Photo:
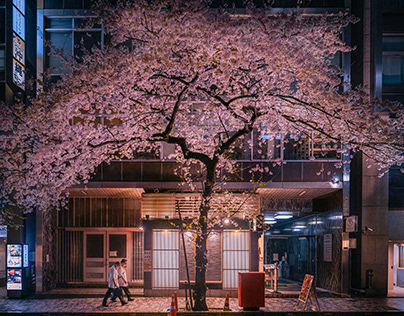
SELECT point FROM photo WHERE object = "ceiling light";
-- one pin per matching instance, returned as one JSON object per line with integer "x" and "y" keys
{"x": 315, "y": 222}
{"x": 283, "y": 216}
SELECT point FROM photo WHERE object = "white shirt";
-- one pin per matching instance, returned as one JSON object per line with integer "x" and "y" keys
{"x": 113, "y": 278}
{"x": 122, "y": 277}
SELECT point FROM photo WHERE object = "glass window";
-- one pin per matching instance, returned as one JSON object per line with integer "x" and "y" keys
{"x": 393, "y": 69}
{"x": 59, "y": 23}
{"x": 393, "y": 43}
{"x": 85, "y": 41}
{"x": 165, "y": 259}
{"x": 324, "y": 149}
{"x": 53, "y": 4}
{"x": 117, "y": 246}
{"x": 264, "y": 147}
{"x": 236, "y": 256}
{"x": 95, "y": 246}
{"x": 62, "y": 41}
{"x": 296, "y": 148}
{"x": 68, "y": 35}
{"x": 401, "y": 257}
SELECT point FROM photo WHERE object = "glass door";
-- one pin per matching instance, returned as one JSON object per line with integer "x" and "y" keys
{"x": 95, "y": 263}
{"x": 117, "y": 248}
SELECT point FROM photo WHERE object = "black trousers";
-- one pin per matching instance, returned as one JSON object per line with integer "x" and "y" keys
{"x": 126, "y": 290}
{"x": 111, "y": 290}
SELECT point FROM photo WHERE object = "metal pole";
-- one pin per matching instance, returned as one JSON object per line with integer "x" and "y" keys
{"x": 276, "y": 278}
{"x": 188, "y": 286}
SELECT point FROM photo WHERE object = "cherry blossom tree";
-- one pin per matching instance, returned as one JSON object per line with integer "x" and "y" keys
{"x": 177, "y": 72}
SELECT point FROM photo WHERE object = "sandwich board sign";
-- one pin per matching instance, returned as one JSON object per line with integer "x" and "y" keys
{"x": 307, "y": 292}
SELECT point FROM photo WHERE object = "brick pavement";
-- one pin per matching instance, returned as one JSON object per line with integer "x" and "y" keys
{"x": 162, "y": 304}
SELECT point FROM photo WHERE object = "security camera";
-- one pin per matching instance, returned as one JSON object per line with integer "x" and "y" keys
{"x": 367, "y": 229}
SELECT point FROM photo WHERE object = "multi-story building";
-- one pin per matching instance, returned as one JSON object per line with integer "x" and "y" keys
{"x": 332, "y": 225}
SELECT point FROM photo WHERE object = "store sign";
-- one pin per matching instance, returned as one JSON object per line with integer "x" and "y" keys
{"x": 20, "y": 5}
{"x": 25, "y": 261}
{"x": 328, "y": 248}
{"x": 18, "y": 23}
{"x": 14, "y": 279}
{"x": 147, "y": 261}
{"x": 19, "y": 49}
{"x": 14, "y": 255}
{"x": 3, "y": 231}
{"x": 18, "y": 74}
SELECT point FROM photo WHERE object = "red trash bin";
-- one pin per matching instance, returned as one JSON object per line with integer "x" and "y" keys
{"x": 251, "y": 290}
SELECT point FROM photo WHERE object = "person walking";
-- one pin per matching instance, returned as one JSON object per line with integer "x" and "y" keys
{"x": 113, "y": 285}
{"x": 123, "y": 279}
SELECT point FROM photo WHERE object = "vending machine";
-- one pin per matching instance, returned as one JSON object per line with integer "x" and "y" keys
{"x": 17, "y": 270}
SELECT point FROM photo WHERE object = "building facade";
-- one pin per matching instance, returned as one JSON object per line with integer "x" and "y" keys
{"x": 336, "y": 226}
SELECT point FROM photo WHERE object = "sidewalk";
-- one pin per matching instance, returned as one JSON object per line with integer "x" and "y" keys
{"x": 92, "y": 305}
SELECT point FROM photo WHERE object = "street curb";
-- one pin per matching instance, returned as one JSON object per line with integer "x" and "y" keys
{"x": 209, "y": 313}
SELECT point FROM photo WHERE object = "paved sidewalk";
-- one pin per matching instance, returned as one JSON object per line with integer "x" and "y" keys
{"x": 162, "y": 304}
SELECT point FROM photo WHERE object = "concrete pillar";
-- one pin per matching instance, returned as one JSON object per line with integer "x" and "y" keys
{"x": 374, "y": 227}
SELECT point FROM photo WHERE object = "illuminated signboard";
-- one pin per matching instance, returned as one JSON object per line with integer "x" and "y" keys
{"x": 14, "y": 279}
{"x": 18, "y": 43}
{"x": 20, "y": 5}
{"x": 18, "y": 74}
{"x": 25, "y": 256}
{"x": 19, "y": 49}
{"x": 14, "y": 256}
{"x": 18, "y": 23}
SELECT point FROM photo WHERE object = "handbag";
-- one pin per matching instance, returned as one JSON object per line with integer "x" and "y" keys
{"x": 118, "y": 292}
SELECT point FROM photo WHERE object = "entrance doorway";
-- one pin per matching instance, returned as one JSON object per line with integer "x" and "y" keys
{"x": 296, "y": 256}
{"x": 396, "y": 269}
{"x": 103, "y": 248}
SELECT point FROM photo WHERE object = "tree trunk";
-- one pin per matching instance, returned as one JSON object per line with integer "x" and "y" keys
{"x": 201, "y": 249}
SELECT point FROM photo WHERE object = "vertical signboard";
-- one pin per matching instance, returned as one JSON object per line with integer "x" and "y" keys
{"x": 18, "y": 23}
{"x": 328, "y": 248}
{"x": 18, "y": 74}
{"x": 14, "y": 266}
{"x": 19, "y": 43}
{"x": 19, "y": 49}
{"x": 147, "y": 261}
{"x": 20, "y": 5}
{"x": 25, "y": 261}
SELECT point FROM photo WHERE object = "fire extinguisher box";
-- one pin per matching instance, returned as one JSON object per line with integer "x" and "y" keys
{"x": 251, "y": 290}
